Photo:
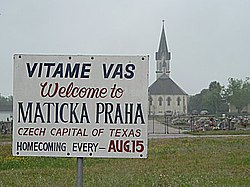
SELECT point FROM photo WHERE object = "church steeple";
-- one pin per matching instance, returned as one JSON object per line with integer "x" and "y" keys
{"x": 163, "y": 56}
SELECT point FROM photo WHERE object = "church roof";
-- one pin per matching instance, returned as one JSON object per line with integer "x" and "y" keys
{"x": 164, "y": 85}
{"x": 163, "y": 47}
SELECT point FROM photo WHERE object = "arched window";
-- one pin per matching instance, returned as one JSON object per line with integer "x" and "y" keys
{"x": 164, "y": 64}
{"x": 168, "y": 101}
{"x": 178, "y": 101}
{"x": 160, "y": 101}
{"x": 150, "y": 99}
{"x": 160, "y": 68}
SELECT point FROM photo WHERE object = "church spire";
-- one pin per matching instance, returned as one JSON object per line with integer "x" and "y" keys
{"x": 163, "y": 56}
{"x": 163, "y": 48}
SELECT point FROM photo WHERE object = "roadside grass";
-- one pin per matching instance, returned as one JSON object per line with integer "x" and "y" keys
{"x": 171, "y": 162}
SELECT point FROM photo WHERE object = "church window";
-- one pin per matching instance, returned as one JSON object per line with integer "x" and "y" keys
{"x": 178, "y": 101}
{"x": 164, "y": 64}
{"x": 160, "y": 66}
{"x": 168, "y": 101}
{"x": 160, "y": 101}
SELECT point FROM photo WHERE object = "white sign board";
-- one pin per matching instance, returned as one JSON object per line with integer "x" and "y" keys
{"x": 80, "y": 106}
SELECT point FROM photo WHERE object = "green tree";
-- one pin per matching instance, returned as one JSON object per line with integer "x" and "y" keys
{"x": 237, "y": 93}
{"x": 195, "y": 103}
{"x": 6, "y": 100}
{"x": 209, "y": 99}
{"x": 212, "y": 99}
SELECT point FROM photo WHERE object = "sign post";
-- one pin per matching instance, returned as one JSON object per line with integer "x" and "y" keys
{"x": 79, "y": 172}
{"x": 80, "y": 106}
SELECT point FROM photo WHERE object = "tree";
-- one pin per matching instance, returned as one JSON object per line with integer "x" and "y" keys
{"x": 238, "y": 93}
{"x": 209, "y": 99}
{"x": 195, "y": 103}
{"x": 6, "y": 100}
{"x": 213, "y": 99}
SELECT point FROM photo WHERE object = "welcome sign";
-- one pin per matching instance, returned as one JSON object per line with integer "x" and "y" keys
{"x": 80, "y": 106}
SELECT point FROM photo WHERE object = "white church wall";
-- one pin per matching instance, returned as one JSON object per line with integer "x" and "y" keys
{"x": 174, "y": 109}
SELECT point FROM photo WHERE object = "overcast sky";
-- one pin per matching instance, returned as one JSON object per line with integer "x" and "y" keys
{"x": 209, "y": 40}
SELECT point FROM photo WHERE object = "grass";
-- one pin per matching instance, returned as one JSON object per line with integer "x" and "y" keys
{"x": 171, "y": 162}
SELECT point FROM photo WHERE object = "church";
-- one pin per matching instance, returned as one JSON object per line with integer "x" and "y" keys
{"x": 165, "y": 96}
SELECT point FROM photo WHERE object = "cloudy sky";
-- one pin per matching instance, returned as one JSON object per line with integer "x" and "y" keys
{"x": 209, "y": 40}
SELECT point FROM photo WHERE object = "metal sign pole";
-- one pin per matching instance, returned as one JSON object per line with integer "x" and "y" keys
{"x": 79, "y": 172}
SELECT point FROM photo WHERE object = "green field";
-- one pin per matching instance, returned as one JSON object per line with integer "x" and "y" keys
{"x": 171, "y": 162}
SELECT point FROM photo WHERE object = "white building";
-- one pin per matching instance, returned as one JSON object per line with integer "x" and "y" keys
{"x": 165, "y": 96}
